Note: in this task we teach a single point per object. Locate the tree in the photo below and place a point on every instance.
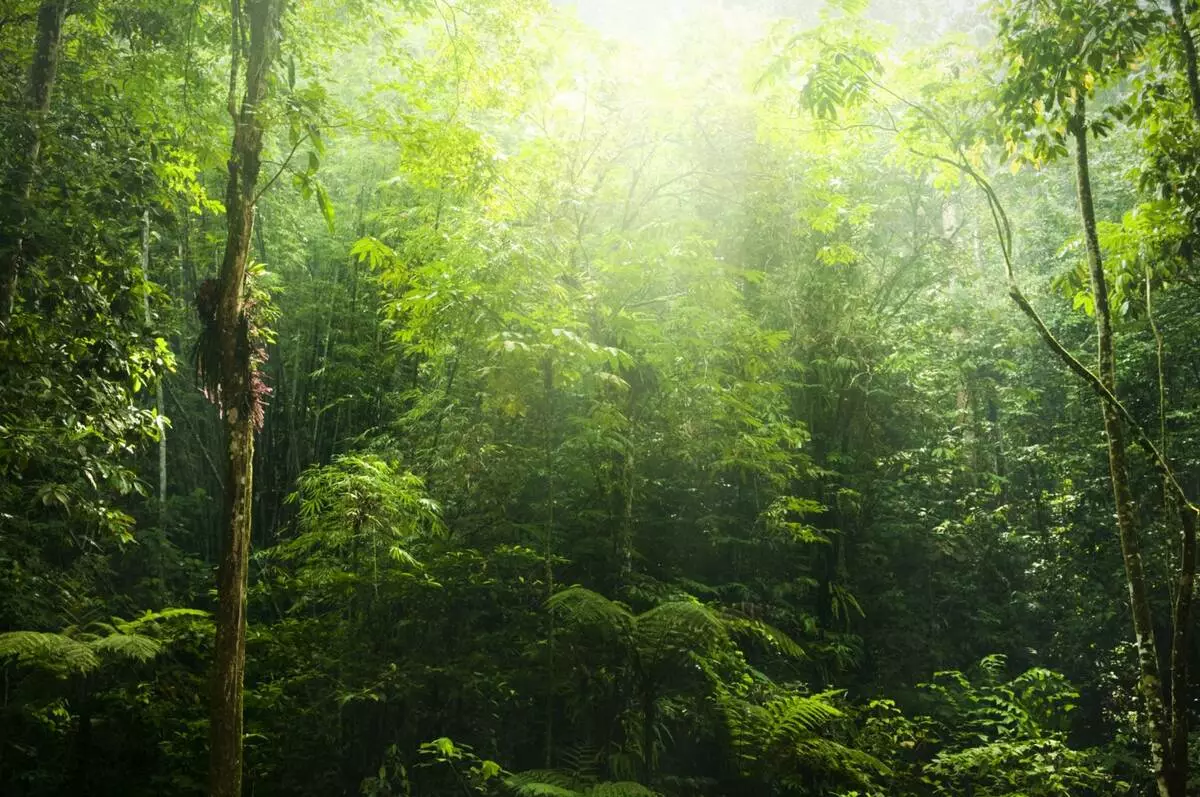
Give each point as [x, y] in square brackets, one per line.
[1038, 36]
[19, 182]
[229, 355]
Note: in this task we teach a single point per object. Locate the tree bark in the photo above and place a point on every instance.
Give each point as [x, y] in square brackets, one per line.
[1189, 55]
[19, 185]
[1181, 645]
[1182, 611]
[159, 407]
[649, 718]
[1149, 681]
[235, 396]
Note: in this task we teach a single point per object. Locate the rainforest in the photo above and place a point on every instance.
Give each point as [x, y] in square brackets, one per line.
[599, 398]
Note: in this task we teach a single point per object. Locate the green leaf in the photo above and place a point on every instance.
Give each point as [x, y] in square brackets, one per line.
[325, 203]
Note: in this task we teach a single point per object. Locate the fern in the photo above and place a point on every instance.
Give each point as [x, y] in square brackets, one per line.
[773, 638]
[133, 647]
[622, 788]
[1001, 736]
[78, 651]
[149, 618]
[582, 761]
[48, 651]
[677, 627]
[535, 789]
[543, 783]
[792, 717]
[556, 783]
[785, 735]
[591, 611]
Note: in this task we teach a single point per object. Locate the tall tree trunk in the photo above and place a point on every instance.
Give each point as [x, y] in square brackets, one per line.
[548, 451]
[19, 184]
[1181, 649]
[1186, 584]
[649, 718]
[236, 395]
[1149, 681]
[158, 387]
[82, 743]
[1179, 14]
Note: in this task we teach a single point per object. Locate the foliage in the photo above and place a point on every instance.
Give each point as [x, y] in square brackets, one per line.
[647, 415]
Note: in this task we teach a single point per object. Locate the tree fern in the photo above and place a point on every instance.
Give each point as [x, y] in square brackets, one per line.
[590, 610]
[789, 734]
[133, 647]
[556, 783]
[81, 650]
[543, 783]
[622, 788]
[49, 651]
[768, 635]
[150, 617]
[536, 789]
[677, 627]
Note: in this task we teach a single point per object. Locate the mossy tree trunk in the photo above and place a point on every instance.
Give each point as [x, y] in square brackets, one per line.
[1150, 685]
[236, 395]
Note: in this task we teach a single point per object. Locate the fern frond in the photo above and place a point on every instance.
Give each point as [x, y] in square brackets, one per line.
[47, 651]
[797, 715]
[543, 783]
[557, 783]
[149, 618]
[543, 790]
[134, 647]
[582, 761]
[587, 609]
[622, 788]
[677, 626]
[774, 638]
[830, 756]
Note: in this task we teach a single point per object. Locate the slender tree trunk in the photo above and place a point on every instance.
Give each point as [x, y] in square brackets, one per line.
[1188, 43]
[159, 410]
[1149, 681]
[323, 387]
[19, 184]
[1181, 645]
[158, 387]
[548, 451]
[1185, 587]
[625, 547]
[80, 776]
[236, 395]
[649, 718]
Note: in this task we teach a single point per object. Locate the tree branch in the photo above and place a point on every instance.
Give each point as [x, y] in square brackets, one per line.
[1004, 233]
